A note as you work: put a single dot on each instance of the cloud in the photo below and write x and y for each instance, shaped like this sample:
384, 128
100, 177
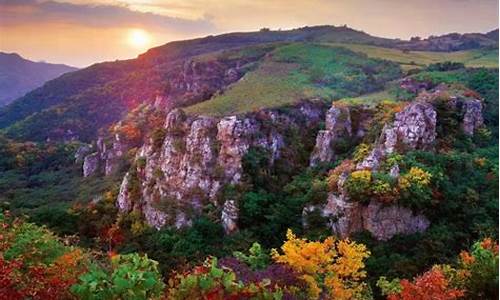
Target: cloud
23, 12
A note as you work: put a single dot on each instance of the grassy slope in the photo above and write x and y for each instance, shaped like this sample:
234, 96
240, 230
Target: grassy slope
412, 59
300, 71
304, 71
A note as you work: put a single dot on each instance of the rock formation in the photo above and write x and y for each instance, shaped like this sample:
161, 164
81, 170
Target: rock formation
473, 117
105, 158
413, 128
200, 155
337, 126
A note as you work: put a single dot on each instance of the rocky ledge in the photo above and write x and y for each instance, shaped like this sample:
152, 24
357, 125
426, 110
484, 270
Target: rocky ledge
176, 177
413, 128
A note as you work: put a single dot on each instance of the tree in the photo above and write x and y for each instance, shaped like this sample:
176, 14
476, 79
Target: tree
332, 268
432, 285
480, 267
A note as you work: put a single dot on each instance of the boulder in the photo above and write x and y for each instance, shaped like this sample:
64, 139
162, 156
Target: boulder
337, 126
90, 164
81, 152
473, 117
229, 216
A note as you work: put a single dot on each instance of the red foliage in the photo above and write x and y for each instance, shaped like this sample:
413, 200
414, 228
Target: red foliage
432, 285
9, 278
131, 132
113, 236
40, 282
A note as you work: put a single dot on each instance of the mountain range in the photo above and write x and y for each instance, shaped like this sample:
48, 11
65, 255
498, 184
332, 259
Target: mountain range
78, 104
19, 75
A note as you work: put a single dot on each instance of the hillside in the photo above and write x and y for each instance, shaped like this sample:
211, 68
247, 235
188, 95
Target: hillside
316, 163
19, 75
105, 92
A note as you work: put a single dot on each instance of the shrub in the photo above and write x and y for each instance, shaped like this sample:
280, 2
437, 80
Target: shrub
131, 277
431, 285
360, 152
332, 267
415, 189
358, 185
334, 175
34, 264
209, 281
257, 259
481, 269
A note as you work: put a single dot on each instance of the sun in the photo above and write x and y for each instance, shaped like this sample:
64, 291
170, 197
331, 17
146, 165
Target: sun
139, 38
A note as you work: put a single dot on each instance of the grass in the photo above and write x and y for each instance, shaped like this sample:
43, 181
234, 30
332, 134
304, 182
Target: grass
413, 59
268, 86
370, 99
298, 71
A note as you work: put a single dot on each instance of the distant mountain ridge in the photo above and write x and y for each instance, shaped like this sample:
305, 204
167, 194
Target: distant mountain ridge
19, 75
180, 73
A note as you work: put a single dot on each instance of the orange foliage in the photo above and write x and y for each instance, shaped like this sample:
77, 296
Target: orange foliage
432, 285
332, 267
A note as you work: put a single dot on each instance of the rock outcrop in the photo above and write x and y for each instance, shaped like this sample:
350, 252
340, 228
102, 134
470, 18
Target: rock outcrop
472, 116
90, 164
413, 128
105, 159
337, 126
201, 155
383, 222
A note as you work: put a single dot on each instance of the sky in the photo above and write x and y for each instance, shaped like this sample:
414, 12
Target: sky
80, 33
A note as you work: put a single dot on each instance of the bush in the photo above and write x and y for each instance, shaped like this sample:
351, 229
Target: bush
209, 281
131, 277
331, 268
358, 185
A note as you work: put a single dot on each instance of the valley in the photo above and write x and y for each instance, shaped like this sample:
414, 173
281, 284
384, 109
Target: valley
313, 163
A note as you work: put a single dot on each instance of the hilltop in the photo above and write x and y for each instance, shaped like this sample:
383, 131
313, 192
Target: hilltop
19, 75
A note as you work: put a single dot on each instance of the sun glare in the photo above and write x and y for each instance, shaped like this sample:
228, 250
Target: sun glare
139, 38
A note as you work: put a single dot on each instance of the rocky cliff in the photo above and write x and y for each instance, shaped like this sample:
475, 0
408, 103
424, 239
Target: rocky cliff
413, 128
175, 178
104, 157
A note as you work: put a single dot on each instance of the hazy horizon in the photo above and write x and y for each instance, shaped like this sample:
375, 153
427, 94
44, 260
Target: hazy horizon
80, 33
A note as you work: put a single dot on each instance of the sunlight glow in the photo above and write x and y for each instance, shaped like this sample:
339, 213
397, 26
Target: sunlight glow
139, 38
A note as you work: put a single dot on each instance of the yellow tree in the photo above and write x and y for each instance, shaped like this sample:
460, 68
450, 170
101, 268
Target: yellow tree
332, 268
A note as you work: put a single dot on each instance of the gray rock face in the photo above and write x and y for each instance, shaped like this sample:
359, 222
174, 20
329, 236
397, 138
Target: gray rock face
229, 216
337, 125
383, 222
236, 136
413, 128
108, 158
200, 155
83, 151
90, 164
372, 161
123, 201
473, 117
